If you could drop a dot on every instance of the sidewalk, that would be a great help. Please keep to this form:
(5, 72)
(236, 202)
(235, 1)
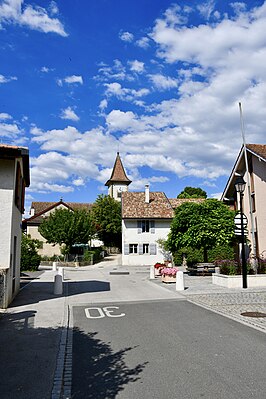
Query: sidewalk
(33, 330)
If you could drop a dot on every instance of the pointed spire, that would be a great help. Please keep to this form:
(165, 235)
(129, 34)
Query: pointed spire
(118, 174)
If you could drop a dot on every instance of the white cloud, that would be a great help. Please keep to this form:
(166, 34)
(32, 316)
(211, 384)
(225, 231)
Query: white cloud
(118, 120)
(9, 130)
(70, 80)
(162, 82)
(33, 17)
(5, 116)
(136, 66)
(115, 89)
(103, 104)
(78, 182)
(126, 36)
(206, 9)
(53, 7)
(45, 69)
(4, 79)
(144, 42)
(70, 114)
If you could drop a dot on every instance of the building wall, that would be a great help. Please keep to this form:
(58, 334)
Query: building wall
(47, 249)
(10, 233)
(131, 235)
(115, 190)
(259, 172)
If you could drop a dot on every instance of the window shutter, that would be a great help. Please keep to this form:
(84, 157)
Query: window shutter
(152, 226)
(126, 249)
(139, 227)
(140, 249)
(152, 249)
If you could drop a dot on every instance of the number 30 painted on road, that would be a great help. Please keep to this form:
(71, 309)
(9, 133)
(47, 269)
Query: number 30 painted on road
(102, 312)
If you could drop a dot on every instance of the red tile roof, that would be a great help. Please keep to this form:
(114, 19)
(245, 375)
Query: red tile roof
(42, 207)
(118, 173)
(258, 149)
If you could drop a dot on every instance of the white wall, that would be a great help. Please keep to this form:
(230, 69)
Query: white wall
(116, 188)
(130, 235)
(10, 230)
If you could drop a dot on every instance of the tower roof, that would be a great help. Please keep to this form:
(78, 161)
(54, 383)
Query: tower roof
(118, 174)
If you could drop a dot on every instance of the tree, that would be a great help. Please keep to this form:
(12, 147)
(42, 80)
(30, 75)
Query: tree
(192, 192)
(107, 216)
(29, 259)
(202, 225)
(64, 226)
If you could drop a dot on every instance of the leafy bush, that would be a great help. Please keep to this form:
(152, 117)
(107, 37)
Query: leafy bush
(194, 256)
(261, 266)
(95, 252)
(228, 267)
(30, 259)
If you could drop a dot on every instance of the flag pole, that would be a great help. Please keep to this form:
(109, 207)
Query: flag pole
(253, 241)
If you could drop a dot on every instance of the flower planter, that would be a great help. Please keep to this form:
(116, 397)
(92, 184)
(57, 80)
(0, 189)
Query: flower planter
(166, 278)
(256, 280)
(157, 272)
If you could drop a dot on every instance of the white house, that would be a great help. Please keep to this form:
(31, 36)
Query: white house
(256, 174)
(14, 177)
(146, 217)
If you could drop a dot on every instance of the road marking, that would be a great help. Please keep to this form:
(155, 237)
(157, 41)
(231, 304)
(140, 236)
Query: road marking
(102, 312)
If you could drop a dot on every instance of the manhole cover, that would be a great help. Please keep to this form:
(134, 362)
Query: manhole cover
(253, 314)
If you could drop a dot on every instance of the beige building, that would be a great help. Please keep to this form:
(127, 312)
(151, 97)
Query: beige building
(14, 177)
(254, 205)
(40, 210)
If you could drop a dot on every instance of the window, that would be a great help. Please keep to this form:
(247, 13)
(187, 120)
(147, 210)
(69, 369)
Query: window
(133, 248)
(119, 194)
(145, 248)
(146, 226)
(19, 189)
(253, 203)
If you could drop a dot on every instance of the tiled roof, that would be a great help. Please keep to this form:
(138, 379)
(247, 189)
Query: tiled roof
(134, 205)
(159, 207)
(118, 173)
(42, 207)
(176, 202)
(259, 149)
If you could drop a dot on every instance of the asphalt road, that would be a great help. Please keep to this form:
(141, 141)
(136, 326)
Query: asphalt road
(164, 349)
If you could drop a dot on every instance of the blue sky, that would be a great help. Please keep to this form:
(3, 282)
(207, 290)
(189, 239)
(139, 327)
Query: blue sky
(158, 81)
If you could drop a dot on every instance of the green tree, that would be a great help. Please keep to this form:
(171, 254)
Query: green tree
(67, 227)
(29, 259)
(202, 225)
(192, 192)
(107, 216)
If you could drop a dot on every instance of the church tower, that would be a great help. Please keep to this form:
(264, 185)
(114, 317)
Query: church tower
(118, 181)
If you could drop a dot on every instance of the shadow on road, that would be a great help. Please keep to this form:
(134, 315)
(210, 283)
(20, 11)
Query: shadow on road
(98, 371)
(44, 291)
(27, 357)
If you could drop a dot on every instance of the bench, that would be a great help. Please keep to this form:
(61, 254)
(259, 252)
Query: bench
(201, 269)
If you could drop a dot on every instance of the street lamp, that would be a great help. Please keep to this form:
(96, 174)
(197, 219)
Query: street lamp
(240, 187)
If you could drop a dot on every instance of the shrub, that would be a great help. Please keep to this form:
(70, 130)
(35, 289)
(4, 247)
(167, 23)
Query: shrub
(94, 253)
(30, 259)
(227, 266)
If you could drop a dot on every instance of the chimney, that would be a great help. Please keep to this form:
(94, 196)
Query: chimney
(147, 193)
(32, 211)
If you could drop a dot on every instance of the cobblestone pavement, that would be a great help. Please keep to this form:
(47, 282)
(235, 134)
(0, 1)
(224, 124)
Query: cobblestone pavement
(232, 305)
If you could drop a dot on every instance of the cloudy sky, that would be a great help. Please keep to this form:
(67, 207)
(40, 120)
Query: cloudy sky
(158, 81)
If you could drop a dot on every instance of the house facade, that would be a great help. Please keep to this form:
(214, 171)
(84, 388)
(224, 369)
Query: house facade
(146, 218)
(14, 177)
(254, 195)
(41, 210)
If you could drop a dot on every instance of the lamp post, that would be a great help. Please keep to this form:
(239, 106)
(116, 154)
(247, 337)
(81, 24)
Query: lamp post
(240, 187)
